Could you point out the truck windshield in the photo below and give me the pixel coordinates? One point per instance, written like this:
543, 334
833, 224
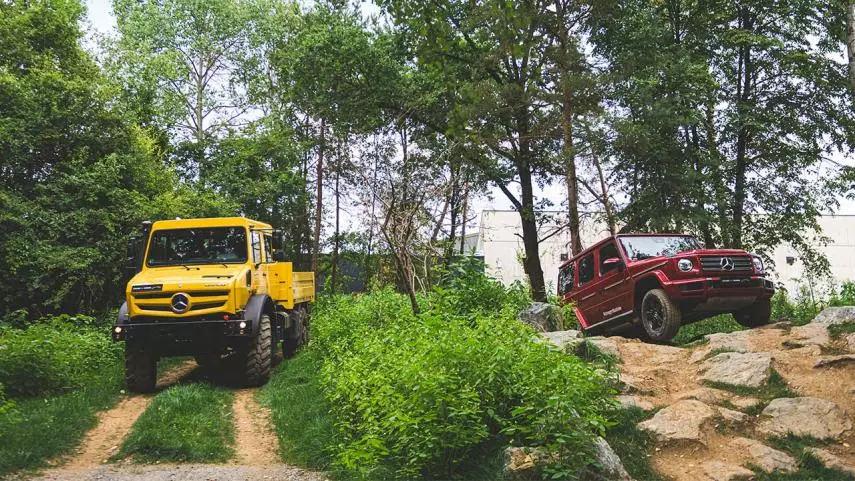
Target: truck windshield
640, 247
214, 245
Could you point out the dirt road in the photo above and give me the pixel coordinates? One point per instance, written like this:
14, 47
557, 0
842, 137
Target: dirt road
256, 447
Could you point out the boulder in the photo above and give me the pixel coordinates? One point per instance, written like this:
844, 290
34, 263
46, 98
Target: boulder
635, 402
850, 341
706, 395
629, 384
719, 471
831, 316
522, 461
734, 419
563, 339
744, 402
605, 345
804, 416
830, 461
764, 457
543, 317
683, 421
835, 360
609, 466
808, 335
751, 369
655, 354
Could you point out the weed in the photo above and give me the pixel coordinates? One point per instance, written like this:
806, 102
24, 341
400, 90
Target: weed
839, 330
776, 388
810, 468
632, 445
190, 423
694, 332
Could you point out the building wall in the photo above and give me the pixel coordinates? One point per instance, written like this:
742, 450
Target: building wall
500, 242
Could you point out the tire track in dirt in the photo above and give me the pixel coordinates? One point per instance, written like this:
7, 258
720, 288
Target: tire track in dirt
114, 424
255, 442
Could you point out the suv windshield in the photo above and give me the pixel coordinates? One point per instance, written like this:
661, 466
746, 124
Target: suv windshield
215, 245
639, 248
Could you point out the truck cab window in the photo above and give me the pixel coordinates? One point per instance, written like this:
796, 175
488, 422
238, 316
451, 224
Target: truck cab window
586, 269
565, 279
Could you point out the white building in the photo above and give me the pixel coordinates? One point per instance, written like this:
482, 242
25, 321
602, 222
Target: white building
499, 240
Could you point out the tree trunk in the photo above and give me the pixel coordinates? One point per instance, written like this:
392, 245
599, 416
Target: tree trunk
336, 238
463, 219
743, 135
850, 43
604, 189
368, 266
319, 209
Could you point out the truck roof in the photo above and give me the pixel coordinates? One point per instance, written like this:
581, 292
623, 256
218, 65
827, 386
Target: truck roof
209, 222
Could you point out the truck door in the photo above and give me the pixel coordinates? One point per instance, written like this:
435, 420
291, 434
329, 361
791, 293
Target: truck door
613, 298
586, 292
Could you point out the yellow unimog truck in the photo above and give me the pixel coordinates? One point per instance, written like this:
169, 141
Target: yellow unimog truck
216, 289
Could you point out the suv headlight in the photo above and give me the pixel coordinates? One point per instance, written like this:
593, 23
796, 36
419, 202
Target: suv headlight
685, 265
758, 263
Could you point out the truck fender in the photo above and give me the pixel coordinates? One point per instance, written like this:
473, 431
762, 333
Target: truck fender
256, 307
122, 318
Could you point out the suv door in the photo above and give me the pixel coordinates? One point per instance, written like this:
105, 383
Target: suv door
614, 298
586, 292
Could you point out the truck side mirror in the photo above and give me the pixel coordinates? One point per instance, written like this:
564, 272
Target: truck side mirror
132, 258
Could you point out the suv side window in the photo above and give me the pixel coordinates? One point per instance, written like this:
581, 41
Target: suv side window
586, 269
565, 279
608, 252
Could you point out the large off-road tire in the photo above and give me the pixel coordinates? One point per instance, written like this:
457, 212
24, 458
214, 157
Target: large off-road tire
259, 357
298, 334
140, 369
660, 317
757, 314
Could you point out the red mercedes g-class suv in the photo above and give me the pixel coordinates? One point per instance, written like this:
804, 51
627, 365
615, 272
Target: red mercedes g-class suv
663, 281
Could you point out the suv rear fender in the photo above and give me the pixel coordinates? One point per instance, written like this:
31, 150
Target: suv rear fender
257, 306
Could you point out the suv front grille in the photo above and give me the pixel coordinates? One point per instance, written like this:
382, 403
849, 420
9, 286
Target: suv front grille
714, 264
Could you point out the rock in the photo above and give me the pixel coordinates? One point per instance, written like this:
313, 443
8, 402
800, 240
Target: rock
635, 401
734, 419
835, 360
830, 461
750, 369
850, 341
763, 456
706, 395
804, 416
737, 341
813, 350
683, 421
605, 345
609, 465
561, 339
518, 460
744, 402
628, 384
719, 471
807, 335
543, 317
783, 325
835, 315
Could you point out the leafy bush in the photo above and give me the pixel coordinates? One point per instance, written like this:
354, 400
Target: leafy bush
419, 395
55, 355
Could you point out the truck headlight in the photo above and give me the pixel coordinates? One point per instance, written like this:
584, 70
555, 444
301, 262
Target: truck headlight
758, 263
685, 265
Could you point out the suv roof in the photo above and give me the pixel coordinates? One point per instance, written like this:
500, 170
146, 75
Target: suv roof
605, 240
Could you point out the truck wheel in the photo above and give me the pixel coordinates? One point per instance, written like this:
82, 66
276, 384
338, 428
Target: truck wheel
260, 354
756, 314
298, 334
140, 369
660, 317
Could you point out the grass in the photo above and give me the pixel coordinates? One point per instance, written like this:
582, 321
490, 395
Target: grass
697, 330
300, 412
839, 330
187, 423
632, 445
38, 429
776, 388
810, 468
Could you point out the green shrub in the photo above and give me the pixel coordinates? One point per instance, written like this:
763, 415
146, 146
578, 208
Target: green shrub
418, 395
55, 355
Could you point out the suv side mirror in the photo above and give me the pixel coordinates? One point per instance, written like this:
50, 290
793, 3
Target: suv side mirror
132, 258
613, 263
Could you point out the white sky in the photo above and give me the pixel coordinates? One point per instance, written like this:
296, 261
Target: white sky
101, 19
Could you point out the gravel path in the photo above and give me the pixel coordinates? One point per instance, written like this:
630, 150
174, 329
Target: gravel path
188, 472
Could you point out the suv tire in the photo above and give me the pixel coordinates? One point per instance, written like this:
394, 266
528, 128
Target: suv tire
660, 317
260, 355
140, 369
757, 314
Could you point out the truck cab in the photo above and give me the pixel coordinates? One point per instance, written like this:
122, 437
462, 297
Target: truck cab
663, 281
216, 289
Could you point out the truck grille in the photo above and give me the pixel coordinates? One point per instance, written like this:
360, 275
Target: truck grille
715, 264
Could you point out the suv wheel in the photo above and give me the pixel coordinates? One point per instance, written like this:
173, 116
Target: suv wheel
660, 317
140, 369
756, 314
260, 354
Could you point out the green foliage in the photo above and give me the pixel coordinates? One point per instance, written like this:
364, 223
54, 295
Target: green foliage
697, 330
633, 445
188, 423
838, 330
775, 388
55, 356
465, 290
300, 412
810, 468
418, 395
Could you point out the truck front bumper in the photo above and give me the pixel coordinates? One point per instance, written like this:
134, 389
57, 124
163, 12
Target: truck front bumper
156, 331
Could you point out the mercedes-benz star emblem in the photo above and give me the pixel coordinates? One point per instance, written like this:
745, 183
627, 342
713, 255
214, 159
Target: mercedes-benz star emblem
726, 264
180, 303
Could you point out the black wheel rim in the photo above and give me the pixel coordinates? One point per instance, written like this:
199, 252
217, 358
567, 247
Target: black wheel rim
654, 314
